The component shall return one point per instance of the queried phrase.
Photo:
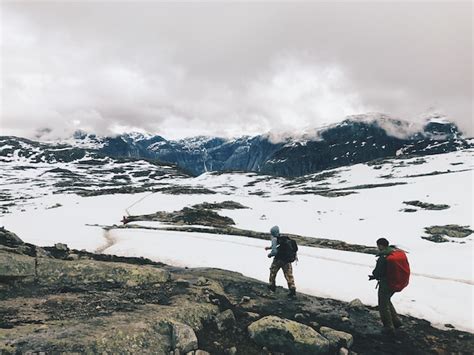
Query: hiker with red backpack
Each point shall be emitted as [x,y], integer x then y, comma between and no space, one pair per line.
[284,252]
[393,273]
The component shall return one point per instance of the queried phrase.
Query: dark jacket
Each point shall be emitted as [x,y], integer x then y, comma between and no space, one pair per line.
[380,271]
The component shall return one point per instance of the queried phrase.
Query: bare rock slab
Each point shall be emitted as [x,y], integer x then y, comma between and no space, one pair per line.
[287,336]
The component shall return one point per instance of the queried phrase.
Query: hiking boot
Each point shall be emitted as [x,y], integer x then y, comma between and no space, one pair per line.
[292,292]
[271,287]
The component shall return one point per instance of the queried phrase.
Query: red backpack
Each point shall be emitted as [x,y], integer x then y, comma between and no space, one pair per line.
[398,270]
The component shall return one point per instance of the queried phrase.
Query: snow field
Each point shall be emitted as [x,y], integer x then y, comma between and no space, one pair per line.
[441,288]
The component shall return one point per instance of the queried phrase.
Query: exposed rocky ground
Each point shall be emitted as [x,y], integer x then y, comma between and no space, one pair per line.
[447,233]
[327,192]
[426,205]
[59,300]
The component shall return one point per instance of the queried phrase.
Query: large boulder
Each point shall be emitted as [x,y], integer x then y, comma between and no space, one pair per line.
[183,338]
[287,336]
[356,304]
[337,338]
[14,266]
[225,320]
[9,239]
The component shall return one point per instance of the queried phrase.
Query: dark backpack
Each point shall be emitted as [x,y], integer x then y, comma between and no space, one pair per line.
[287,249]
[398,270]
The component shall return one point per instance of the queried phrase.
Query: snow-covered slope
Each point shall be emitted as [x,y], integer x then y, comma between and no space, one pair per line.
[399,199]
[31,169]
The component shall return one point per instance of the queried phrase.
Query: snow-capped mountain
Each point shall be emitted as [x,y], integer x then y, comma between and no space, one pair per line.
[363,138]
[357,139]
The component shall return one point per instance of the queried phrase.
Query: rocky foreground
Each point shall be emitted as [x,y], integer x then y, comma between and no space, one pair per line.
[55,300]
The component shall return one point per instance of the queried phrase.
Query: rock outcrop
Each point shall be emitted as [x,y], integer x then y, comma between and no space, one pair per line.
[55,299]
[9,239]
[337,338]
[287,336]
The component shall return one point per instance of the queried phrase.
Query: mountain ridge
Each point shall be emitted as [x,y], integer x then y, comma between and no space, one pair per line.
[357,139]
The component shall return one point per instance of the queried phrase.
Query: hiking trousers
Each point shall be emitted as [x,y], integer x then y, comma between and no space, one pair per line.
[287,271]
[388,315]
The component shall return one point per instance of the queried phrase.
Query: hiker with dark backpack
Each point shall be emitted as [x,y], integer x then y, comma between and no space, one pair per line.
[393,273]
[285,254]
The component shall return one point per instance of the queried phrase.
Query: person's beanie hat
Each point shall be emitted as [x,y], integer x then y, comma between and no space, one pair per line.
[275,231]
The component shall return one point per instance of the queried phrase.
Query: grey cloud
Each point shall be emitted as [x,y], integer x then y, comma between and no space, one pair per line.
[181,69]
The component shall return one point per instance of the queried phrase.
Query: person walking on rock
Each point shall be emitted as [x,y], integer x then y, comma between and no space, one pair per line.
[283,251]
[392,271]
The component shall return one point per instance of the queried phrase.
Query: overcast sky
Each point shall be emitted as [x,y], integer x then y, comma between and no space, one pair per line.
[228,69]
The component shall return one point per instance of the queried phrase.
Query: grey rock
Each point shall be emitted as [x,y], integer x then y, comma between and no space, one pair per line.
[183,338]
[182,282]
[225,320]
[9,239]
[299,316]
[52,271]
[217,344]
[73,257]
[231,351]
[61,246]
[337,338]
[25,250]
[202,281]
[201,352]
[252,316]
[356,304]
[41,253]
[215,301]
[245,299]
[343,351]
[284,335]
[16,265]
